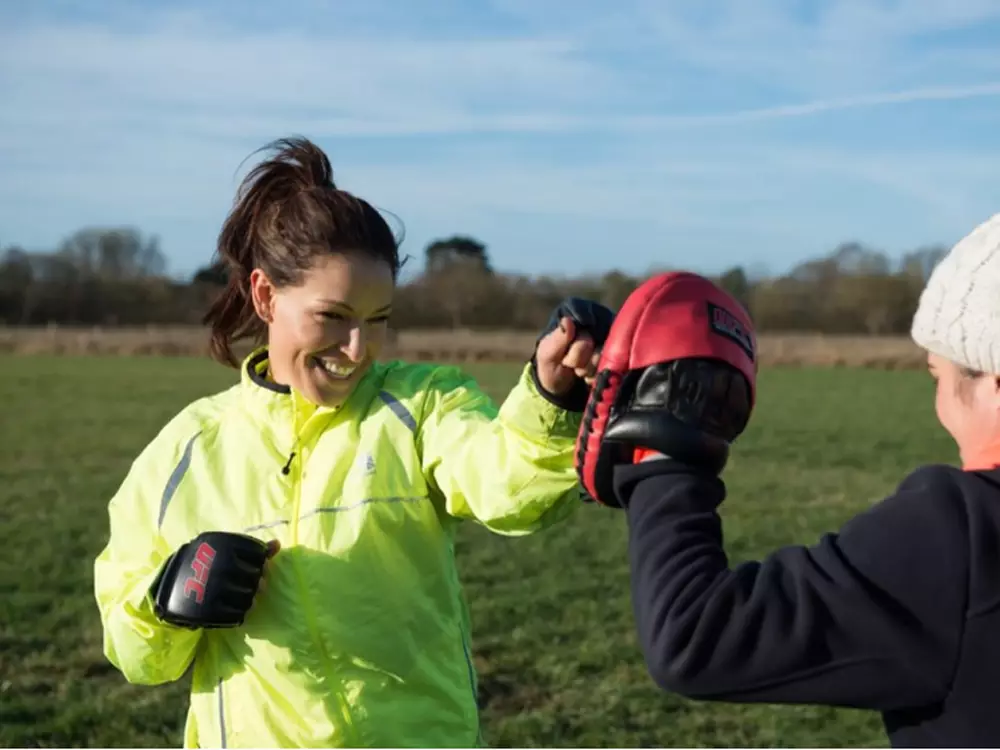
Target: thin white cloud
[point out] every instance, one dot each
(807, 109)
(629, 123)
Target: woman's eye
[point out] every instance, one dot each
(331, 315)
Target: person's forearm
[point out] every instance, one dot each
(802, 626)
(145, 650)
(509, 469)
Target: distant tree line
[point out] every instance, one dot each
(116, 276)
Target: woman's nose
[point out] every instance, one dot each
(355, 347)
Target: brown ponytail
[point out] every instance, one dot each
(287, 212)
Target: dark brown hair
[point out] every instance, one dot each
(288, 212)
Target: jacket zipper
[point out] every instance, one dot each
(222, 714)
(310, 615)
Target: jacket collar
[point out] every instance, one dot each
(254, 374)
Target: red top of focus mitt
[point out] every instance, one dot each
(680, 315)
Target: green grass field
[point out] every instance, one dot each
(553, 628)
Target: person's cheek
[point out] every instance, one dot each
(376, 335)
(939, 406)
(288, 321)
(948, 413)
(323, 334)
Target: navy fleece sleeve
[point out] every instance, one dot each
(870, 617)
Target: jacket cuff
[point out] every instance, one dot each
(530, 410)
(629, 478)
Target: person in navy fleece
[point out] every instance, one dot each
(899, 610)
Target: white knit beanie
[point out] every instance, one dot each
(958, 316)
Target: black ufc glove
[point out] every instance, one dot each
(211, 581)
(590, 317)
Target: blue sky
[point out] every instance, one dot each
(571, 137)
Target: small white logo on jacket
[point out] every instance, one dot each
(369, 464)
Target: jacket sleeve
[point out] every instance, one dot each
(870, 617)
(145, 650)
(510, 469)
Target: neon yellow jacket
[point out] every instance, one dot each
(361, 636)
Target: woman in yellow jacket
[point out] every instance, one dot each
(355, 472)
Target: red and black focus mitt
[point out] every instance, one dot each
(677, 376)
(211, 581)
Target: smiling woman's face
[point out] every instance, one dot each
(324, 333)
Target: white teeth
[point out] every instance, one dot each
(337, 371)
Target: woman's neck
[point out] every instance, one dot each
(984, 458)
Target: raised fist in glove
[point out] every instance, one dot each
(211, 581)
(676, 378)
(567, 351)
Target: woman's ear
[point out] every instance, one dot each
(262, 294)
